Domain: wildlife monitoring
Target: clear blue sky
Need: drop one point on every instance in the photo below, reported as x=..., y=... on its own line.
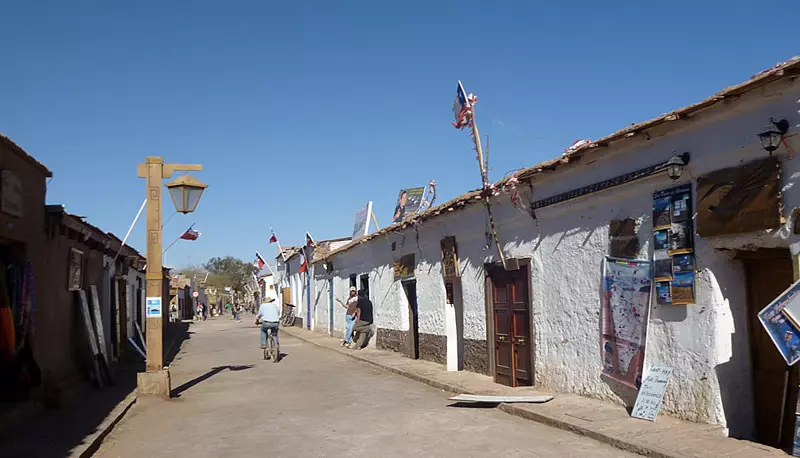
x=302, y=111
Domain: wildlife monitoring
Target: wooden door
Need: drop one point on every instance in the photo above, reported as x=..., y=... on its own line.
x=512, y=329
x=774, y=383
x=410, y=288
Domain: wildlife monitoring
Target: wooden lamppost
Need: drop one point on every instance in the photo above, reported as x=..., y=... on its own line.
x=185, y=192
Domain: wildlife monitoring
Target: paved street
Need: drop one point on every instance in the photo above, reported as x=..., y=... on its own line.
x=316, y=403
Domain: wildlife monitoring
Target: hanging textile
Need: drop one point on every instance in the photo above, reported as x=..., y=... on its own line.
x=7, y=327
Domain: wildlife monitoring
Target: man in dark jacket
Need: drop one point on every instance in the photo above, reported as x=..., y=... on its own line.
x=363, y=327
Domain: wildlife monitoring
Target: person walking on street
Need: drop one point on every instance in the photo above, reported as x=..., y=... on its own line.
x=363, y=326
x=349, y=316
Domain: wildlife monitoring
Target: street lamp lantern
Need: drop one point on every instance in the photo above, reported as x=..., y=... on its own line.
x=185, y=192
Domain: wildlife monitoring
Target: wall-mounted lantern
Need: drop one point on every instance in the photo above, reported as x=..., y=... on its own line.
x=772, y=136
x=675, y=165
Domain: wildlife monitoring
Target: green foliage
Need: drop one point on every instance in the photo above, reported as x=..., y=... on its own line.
x=229, y=271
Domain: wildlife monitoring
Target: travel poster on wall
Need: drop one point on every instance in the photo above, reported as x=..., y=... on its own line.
x=661, y=209
x=783, y=333
x=361, y=225
x=663, y=293
x=408, y=203
x=682, y=290
x=625, y=309
x=662, y=264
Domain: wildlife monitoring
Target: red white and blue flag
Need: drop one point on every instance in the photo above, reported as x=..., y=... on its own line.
x=260, y=263
x=190, y=234
x=310, y=240
x=303, y=262
x=462, y=107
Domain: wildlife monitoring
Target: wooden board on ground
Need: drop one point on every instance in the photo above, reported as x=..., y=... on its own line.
x=87, y=322
x=500, y=399
x=101, y=340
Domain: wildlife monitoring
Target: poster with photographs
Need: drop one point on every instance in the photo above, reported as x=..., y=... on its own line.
x=663, y=293
x=683, y=288
x=408, y=203
x=661, y=209
x=680, y=237
x=673, y=244
x=683, y=263
x=662, y=265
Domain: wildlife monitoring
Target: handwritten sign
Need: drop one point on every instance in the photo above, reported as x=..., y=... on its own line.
x=648, y=403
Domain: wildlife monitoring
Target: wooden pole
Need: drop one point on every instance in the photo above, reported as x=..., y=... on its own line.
x=374, y=220
x=154, y=276
x=485, y=181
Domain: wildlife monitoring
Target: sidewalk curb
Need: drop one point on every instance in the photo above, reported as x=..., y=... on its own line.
x=507, y=408
x=105, y=428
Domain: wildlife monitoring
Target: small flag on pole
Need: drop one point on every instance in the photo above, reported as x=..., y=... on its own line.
x=310, y=241
x=190, y=234
x=273, y=239
x=462, y=107
x=260, y=261
x=303, y=262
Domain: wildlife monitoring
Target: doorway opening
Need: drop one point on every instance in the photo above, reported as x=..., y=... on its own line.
x=511, y=312
x=365, y=285
x=410, y=288
x=769, y=272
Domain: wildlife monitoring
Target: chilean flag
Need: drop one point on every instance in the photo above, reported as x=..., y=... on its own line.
x=310, y=241
x=462, y=107
x=274, y=238
x=303, y=262
x=260, y=263
x=190, y=234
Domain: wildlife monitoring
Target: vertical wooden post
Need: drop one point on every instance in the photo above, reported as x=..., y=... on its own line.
x=154, y=276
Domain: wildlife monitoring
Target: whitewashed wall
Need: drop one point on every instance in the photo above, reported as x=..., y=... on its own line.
x=706, y=343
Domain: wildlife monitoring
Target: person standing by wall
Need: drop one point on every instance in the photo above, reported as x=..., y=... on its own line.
x=349, y=316
x=363, y=326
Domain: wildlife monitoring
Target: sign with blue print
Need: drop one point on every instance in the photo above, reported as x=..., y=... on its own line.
x=153, y=307
x=783, y=333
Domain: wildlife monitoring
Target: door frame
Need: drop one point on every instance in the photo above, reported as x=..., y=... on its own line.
x=413, y=350
x=526, y=265
x=330, y=306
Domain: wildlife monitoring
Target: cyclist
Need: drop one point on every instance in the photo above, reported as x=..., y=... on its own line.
x=268, y=315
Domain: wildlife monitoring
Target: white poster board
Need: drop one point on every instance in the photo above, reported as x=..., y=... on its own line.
x=361, y=224
x=651, y=393
x=153, y=307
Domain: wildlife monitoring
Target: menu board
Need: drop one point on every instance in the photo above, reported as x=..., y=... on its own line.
x=651, y=394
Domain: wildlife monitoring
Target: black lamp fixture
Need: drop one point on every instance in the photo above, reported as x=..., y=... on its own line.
x=771, y=136
x=674, y=166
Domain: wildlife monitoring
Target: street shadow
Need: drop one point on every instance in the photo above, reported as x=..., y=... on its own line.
x=57, y=430
x=475, y=405
x=176, y=393
x=177, y=333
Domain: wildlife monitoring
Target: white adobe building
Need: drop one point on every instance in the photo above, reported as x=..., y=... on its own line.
x=715, y=346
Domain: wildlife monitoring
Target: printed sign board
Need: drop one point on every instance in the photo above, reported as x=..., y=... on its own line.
x=153, y=307
x=408, y=203
x=783, y=333
x=740, y=199
x=651, y=394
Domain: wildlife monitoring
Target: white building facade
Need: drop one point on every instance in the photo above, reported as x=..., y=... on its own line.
x=555, y=294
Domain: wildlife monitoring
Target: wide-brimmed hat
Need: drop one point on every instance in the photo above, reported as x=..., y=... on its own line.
x=352, y=289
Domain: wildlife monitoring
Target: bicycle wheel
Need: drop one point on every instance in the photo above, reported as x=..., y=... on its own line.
x=266, y=351
x=275, y=350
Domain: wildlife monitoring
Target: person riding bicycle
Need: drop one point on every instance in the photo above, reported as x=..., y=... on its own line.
x=268, y=315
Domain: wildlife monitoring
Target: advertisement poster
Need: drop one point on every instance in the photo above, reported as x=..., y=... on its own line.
x=663, y=266
x=661, y=207
x=408, y=203
x=663, y=293
x=782, y=332
x=361, y=225
x=625, y=309
x=683, y=263
x=683, y=288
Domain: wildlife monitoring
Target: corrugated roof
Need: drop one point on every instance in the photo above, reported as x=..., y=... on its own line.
x=18, y=149
x=790, y=68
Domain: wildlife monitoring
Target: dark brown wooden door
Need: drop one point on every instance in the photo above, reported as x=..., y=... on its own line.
x=512, y=329
x=774, y=383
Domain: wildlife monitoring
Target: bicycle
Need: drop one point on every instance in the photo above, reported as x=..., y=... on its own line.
x=288, y=316
x=273, y=349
